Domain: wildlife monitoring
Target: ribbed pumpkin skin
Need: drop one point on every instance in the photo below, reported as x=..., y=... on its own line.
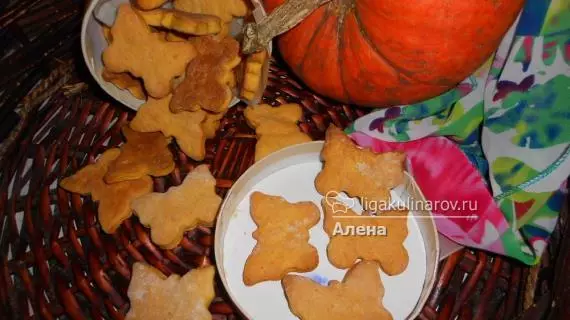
x=381, y=53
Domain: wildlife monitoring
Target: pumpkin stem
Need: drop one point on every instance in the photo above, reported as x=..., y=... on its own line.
x=256, y=37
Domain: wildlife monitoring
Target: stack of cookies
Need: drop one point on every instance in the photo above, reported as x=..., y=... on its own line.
x=184, y=63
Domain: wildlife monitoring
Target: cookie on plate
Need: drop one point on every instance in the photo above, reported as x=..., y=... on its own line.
x=358, y=296
x=282, y=236
x=377, y=238
x=359, y=172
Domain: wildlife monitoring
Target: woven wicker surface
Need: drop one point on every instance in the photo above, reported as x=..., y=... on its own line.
x=57, y=263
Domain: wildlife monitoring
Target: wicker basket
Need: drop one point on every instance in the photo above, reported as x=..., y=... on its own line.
x=57, y=263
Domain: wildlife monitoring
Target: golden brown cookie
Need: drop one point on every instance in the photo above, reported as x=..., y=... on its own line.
x=211, y=124
x=378, y=238
x=252, y=76
x=359, y=172
x=282, y=236
x=224, y=32
x=179, y=209
x=225, y=9
x=149, y=4
x=184, y=22
x=358, y=296
x=289, y=113
x=185, y=127
x=208, y=77
x=114, y=199
x=147, y=55
x=275, y=127
x=125, y=81
x=154, y=296
x=175, y=36
x=143, y=154
x=107, y=34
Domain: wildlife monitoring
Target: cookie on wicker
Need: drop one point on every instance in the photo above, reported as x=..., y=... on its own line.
x=143, y=154
x=147, y=55
x=154, y=296
x=358, y=172
x=275, y=127
x=358, y=296
x=385, y=245
x=114, y=199
x=282, y=236
x=185, y=127
x=211, y=124
x=179, y=209
x=208, y=77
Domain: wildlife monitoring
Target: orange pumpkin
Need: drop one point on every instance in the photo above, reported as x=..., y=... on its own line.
x=389, y=52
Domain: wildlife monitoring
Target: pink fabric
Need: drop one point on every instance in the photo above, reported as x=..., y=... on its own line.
x=462, y=204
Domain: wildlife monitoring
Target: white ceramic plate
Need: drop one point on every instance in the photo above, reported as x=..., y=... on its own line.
x=290, y=173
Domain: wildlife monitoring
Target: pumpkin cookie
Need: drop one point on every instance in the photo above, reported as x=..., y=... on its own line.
x=356, y=171
x=358, y=296
x=136, y=49
x=275, y=127
x=179, y=209
x=143, y=154
x=282, y=238
x=185, y=127
x=382, y=241
x=114, y=199
x=224, y=9
x=208, y=77
x=184, y=22
x=154, y=296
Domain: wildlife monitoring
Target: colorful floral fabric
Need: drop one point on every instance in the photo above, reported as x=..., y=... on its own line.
x=499, y=141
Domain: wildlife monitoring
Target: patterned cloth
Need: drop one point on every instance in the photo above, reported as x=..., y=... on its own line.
x=495, y=148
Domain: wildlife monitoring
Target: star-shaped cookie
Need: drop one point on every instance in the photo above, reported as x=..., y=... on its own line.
x=185, y=127
x=358, y=296
x=179, y=209
x=147, y=55
x=359, y=172
x=282, y=236
x=384, y=243
x=114, y=199
x=154, y=296
x=143, y=154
